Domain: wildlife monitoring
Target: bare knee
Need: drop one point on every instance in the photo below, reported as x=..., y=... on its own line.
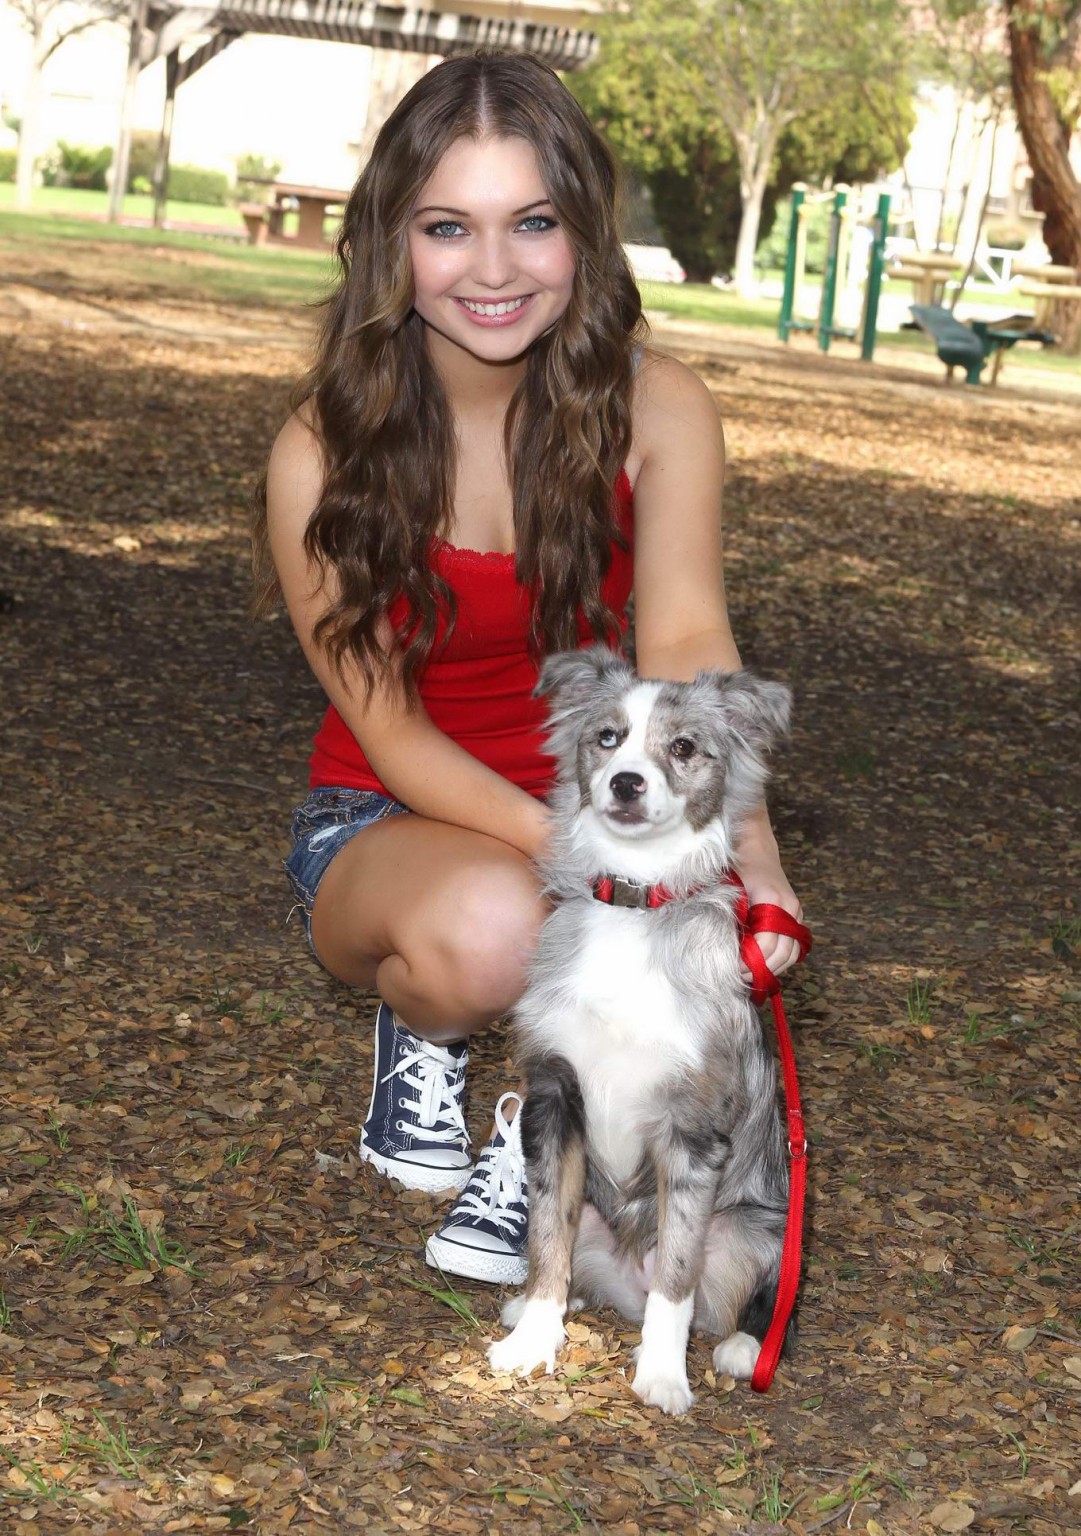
x=479, y=954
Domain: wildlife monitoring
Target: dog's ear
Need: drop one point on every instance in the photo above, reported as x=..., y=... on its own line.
x=758, y=710
x=571, y=677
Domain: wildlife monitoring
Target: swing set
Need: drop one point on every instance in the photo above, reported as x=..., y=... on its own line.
x=853, y=271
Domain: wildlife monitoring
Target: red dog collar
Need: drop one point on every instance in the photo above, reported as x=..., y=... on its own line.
x=624, y=893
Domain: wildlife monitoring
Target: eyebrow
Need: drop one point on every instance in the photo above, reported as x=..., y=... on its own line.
x=461, y=213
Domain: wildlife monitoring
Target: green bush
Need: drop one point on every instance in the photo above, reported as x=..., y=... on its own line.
x=75, y=165
x=773, y=249
x=195, y=184
x=144, y=151
x=7, y=164
x=252, y=172
x=1004, y=236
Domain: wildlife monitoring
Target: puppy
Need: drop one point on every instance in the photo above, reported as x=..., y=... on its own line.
x=655, y=1160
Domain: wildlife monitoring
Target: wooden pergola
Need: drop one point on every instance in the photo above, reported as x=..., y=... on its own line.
x=160, y=28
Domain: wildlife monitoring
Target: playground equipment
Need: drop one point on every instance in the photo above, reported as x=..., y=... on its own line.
x=855, y=258
x=969, y=346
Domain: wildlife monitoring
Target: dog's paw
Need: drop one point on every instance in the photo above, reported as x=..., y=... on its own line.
x=661, y=1385
x=512, y=1310
x=737, y=1356
x=537, y=1339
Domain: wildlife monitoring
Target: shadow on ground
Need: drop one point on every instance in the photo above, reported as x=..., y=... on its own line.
x=211, y=1316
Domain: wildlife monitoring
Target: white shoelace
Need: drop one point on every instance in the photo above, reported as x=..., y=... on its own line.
x=500, y=1175
x=437, y=1107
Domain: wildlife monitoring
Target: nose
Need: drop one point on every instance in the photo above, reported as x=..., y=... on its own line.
x=494, y=262
x=627, y=786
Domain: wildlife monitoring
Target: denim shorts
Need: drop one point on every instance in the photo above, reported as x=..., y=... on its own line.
x=321, y=828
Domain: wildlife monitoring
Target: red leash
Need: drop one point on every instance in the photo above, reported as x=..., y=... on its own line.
x=764, y=917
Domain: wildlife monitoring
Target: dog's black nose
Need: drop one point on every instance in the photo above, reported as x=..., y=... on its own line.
x=628, y=786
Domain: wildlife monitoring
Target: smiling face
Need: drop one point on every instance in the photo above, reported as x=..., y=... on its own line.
x=492, y=268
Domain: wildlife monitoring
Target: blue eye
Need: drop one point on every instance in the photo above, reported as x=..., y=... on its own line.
x=437, y=231
x=608, y=739
x=541, y=222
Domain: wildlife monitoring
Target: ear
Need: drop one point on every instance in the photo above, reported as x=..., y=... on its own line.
x=758, y=710
x=571, y=677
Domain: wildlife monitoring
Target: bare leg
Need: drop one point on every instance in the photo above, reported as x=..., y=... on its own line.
x=439, y=920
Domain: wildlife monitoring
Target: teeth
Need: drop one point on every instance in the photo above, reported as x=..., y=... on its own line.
x=493, y=309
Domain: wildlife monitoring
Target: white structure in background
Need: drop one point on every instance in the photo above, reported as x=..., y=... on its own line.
x=299, y=101
x=934, y=203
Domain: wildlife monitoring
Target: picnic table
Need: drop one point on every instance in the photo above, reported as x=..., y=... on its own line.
x=927, y=271
x=266, y=221
x=1047, y=285
x=969, y=346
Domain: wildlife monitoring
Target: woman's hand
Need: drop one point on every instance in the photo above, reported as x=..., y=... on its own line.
x=759, y=866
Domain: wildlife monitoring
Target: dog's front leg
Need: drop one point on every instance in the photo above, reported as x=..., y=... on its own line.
x=686, y=1186
x=553, y=1138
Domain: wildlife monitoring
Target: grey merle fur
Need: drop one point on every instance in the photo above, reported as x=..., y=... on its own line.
x=707, y=1197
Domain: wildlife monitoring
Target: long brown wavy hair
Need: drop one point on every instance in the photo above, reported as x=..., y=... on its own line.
x=384, y=420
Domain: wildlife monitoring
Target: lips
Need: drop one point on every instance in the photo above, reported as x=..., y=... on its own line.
x=495, y=312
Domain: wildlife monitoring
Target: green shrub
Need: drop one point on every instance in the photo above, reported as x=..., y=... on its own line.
x=1006, y=236
x=144, y=151
x=252, y=173
x=195, y=184
x=773, y=249
x=75, y=165
x=7, y=164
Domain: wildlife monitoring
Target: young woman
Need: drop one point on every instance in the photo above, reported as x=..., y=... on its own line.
x=482, y=462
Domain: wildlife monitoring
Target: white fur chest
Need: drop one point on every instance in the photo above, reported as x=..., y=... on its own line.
x=624, y=1032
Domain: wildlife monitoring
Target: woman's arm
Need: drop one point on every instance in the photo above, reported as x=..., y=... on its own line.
x=418, y=763
x=680, y=613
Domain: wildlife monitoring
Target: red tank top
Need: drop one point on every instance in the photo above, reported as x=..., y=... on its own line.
x=478, y=688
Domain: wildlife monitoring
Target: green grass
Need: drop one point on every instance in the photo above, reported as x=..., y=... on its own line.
x=1066, y=937
x=82, y=204
x=34, y=1483
x=242, y=274
x=449, y=1297
x=702, y=303
x=5, y=1313
x=918, y=1002
x=112, y=1449
x=239, y=274
x=123, y=1240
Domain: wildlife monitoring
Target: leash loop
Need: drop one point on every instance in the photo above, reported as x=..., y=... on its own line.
x=767, y=917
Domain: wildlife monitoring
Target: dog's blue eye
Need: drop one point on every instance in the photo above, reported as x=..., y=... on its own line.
x=682, y=747
x=608, y=739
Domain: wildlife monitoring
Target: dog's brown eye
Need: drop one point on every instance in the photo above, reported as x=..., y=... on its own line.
x=682, y=747
x=608, y=739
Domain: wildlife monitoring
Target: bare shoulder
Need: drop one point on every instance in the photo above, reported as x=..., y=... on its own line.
x=670, y=398
x=677, y=432
x=296, y=470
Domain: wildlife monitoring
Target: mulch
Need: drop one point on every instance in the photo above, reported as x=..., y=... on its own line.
x=212, y=1317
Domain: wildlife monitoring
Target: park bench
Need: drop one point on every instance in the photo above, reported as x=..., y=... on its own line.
x=969, y=346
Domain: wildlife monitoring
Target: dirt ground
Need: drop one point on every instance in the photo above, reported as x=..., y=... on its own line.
x=211, y=1316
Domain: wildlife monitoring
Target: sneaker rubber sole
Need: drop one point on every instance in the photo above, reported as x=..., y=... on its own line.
x=475, y=1263
x=415, y=1175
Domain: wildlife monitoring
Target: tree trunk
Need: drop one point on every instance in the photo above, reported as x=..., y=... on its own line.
x=1056, y=192
x=28, y=132
x=752, y=192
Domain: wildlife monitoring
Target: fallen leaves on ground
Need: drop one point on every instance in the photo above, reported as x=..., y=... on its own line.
x=213, y=1316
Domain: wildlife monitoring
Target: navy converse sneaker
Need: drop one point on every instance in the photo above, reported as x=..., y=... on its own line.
x=415, y=1131
x=484, y=1236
